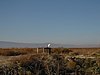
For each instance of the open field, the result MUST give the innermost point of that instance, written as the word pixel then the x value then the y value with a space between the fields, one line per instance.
pixel 61 61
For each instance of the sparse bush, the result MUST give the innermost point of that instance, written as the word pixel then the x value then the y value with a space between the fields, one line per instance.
pixel 12 53
pixel 66 50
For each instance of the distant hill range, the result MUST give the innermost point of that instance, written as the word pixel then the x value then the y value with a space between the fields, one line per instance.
pixel 4 44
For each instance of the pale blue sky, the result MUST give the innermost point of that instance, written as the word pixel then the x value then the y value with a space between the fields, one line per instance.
pixel 56 21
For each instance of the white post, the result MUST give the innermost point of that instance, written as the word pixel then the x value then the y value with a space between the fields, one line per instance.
pixel 37 50
pixel 43 50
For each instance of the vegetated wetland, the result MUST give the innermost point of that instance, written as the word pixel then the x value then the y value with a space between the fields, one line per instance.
pixel 61 61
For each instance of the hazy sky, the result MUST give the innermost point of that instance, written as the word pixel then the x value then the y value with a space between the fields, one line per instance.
pixel 56 21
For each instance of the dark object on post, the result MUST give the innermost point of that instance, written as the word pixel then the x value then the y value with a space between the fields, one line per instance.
pixel 48 50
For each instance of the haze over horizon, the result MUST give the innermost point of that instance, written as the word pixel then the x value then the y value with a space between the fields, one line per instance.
pixel 54 21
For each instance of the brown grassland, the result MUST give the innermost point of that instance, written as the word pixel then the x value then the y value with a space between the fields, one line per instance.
pixel 61 61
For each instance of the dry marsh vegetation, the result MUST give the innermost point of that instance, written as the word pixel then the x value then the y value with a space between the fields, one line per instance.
pixel 62 61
